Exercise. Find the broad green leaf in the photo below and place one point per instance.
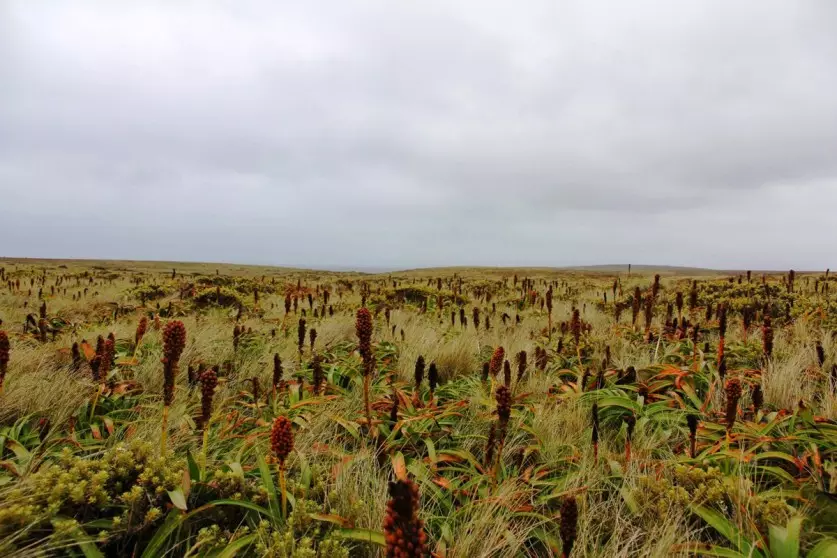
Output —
(361, 535)
(727, 529)
(269, 486)
(85, 543)
(238, 544)
(824, 549)
(194, 470)
(431, 450)
(784, 541)
(173, 520)
(178, 499)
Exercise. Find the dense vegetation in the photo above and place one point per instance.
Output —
(151, 411)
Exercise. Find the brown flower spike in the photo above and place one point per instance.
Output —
(174, 340)
(569, 524)
(403, 530)
(692, 423)
(277, 371)
(281, 439)
(733, 392)
(496, 361)
(767, 337)
(142, 327)
(209, 380)
(504, 400)
(4, 357)
(363, 328)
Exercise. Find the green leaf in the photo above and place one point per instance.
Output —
(784, 541)
(331, 518)
(630, 501)
(720, 552)
(235, 467)
(305, 475)
(241, 504)
(19, 450)
(269, 486)
(824, 549)
(352, 429)
(622, 402)
(173, 520)
(361, 535)
(194, 470)
(431, 450)
(727, 529)
(178, 499)
(85, 543)
(239, 544)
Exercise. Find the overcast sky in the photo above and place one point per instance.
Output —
(407, 134)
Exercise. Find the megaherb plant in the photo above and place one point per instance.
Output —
(353, 415)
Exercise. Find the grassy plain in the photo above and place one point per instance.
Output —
(643, 422)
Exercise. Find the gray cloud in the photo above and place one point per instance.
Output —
(401, 134)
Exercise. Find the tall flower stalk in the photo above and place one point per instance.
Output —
(549, 312)
(363, 329)
(496, 362)
(692, 423)
(4, 358)
(174, 341)
(277, 373)
(504, 402)
(403, 530)
(142, 327)
(733, 393)
(569, 525)
(282, 444)
(208, 380)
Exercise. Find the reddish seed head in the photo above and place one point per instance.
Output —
(541, 356)
(733, 392)
(569, 524)
(108, 352)
(277, 370)
(767, 335)
(142, 327)
(503, 397)
(575, 326)
(4, 355)
(490, 445)
(96, 363)
(419, 372)
(363, 329)
(282, 439)
(174, 340)
(300, 331)
(4, 348)
(317, 373)
(403, 530)
(497, 361)
(433, 377)
(521, 365)
(209, 380)
(757, 398)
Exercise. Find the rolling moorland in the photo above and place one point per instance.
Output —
(154, 409)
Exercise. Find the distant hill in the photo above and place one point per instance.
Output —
(209, 267)
(604, 268)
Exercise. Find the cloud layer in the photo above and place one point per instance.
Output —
(397, 134)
